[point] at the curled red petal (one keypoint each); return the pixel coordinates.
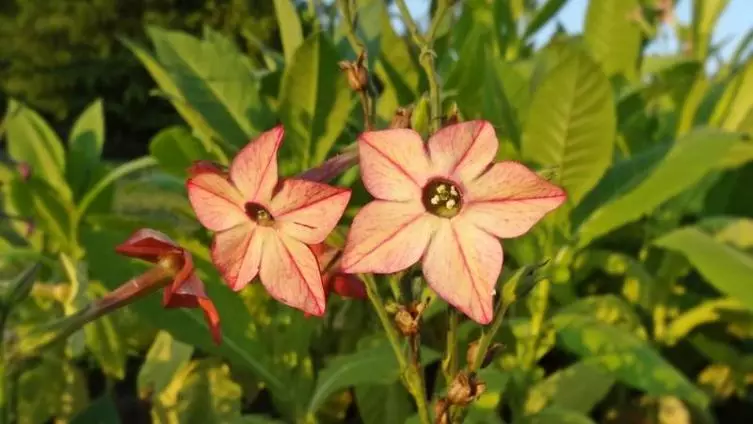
(149, 245)
(190, 294)
(347, 285)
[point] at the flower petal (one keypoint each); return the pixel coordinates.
(206, 166)
(462, 151)
(217, 204)
(387, 237)
(237, 253)
(254, 169)
(149, 245)
(394, 164)
(308, 211)
(462, 265)
(509, 199)
(291, 275)
(191, 294)
(347, 285)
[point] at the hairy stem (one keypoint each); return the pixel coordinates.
(426, 55)
(410, 368)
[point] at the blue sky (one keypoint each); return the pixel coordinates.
(736, 20)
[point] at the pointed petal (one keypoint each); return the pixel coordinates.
(254, 169)
(509, 199)
(394, 164)
(191, 294)
(217, 204)
(148, 245)
(308, 211)
(387, 237)
(206, 167)
(291, 275)
(237, 253)
(462, 265)
(462, 151)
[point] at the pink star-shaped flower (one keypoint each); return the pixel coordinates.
(445, 204)
(186, 289)
(264, 228)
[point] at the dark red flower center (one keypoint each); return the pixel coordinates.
(259, 214)
(442, 198)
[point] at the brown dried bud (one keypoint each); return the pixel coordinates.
(402, 118)
(489, 356)
(465, 388)
(441, 409)
(406, 322)
(358, 76)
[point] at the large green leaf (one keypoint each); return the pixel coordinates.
(215, 79)
(571, 123)
(690, 159)
(290, 27)
(85, 148)
(175, 148)
(50, 389)
(30, 139)
(315, 103)
(375, 365)
(624, 356)
(613, 36)
(201, 393)
(578, 387)
(543, 15)
(725, 267)
(386, 403)
(165, 357)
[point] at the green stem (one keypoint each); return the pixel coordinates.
(426, 55)
(450, 362)
(410, 370)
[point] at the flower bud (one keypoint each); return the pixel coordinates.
(489, 356)
(402, 118)
(406, 323)
(465, 388)
(358, 76)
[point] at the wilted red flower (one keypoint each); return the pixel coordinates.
(186, 289)
(264, 226)
(444, 203)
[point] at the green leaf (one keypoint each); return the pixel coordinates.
(18, 289)
(121, 171)
(578, 387)
(375, 365)
(705, 15)
(106, 345)
(164, 359)
(290, 27)
(85, 148)
(201, 393)
(51, 389)
(571, 123)
(30, 139)
(212, 77)
(51, 214)
(613, 36)
(378, 404)
(725, 267)
(543, 15)
(691, 158)
(315, 103)
(555, 415)
(101, 411)
(175, 149)
(624, 356)
(737, 100)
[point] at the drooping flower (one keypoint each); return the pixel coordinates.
(263, 227)
(445, 204)
(185, 290)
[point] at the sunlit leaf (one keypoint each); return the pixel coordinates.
(85, 144)
(290, 27)
(165, 357)
(175, 148)
(571, 123)
(614, 36)
(578, 387)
